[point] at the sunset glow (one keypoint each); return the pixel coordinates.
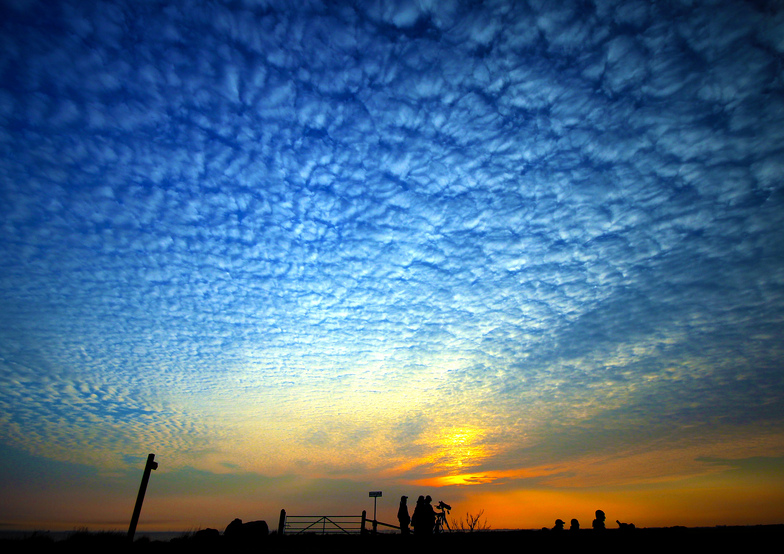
(523, 257)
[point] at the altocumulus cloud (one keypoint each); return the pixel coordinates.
(542, 221)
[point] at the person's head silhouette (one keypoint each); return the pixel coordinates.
(598, 523)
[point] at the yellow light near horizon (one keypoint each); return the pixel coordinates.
(461, 442)
(455, 449)
(463, 479)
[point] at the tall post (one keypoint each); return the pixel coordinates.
(282, 522)
(375, 521)
(151, 465)
(374, 495)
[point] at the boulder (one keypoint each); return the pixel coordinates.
(250, 531)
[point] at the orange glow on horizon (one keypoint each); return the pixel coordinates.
(688, 506)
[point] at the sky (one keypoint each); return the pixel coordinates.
(525, 257)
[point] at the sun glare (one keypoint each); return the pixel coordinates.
(454, 450)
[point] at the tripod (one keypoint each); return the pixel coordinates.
(441, 521)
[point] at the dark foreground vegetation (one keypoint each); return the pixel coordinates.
(671, 539)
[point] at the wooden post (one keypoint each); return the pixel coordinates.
(151, 465)
(364, 518)
(282, 522)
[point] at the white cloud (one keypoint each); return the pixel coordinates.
(517, 212)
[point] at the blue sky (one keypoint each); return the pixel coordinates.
(322, 246)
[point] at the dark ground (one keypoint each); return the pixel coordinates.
(668, 540)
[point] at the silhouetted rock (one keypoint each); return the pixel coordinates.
(256, 528)
(206, 535)
(245, 532)
(233, 529)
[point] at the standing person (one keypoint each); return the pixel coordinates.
(430, 516)
(418, 518)
(598, 523)
(402, 516)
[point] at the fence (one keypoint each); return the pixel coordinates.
(326, 525)
(321, 525)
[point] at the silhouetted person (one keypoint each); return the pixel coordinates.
(559, 525)
(417, 519)
(402, 516)
(598, 523)
(430, 513)
(574, 525)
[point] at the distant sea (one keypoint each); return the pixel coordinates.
(62, 535)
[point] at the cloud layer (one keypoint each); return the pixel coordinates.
(241, 233)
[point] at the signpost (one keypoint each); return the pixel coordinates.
(374, 495)
(150, 466)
